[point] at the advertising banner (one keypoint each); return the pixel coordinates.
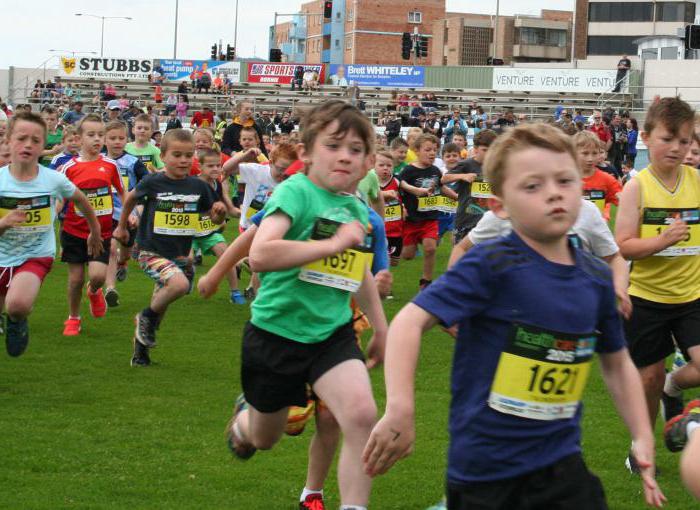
(554, 80)
(179, 70)
(377, 75)
(264, 72)
(106, 68)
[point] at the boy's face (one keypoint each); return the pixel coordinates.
(666, 150)
(336, 163)
(72, 144)
(246, 111)
(178, 159)
(173, 114)
(426, 153)
(92, 137)
(26, 142)
(211, 167)
(399, 154)
(460, 141)
(451, 159)
(384, 167)
(601, 156)
(278, 167)
(480, 152)
(142, 131)
(4, 153)
(692, 157)
(202, 141)
(248, 140)
(3, 129)
(283, 138)
(51, 120)
(588, 157)
(115, 141)
(541, 193)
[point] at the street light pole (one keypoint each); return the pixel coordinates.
(175, 38)
(235, 30)
(102, 38)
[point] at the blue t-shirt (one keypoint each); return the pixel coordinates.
(131, 170)
(499, 290)
(61, 159)
(37, 198)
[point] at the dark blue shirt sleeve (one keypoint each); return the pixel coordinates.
(257, 218)
(612, 337)
(381, 251)
(140, 170)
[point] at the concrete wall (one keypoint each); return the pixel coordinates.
(23, 79)
(672, 77)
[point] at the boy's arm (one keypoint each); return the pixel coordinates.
(378, 204)
(621, 281)
(625, 386)
(217, 213)
(12, 219)
(393, 436)
(450, 178)
(632, 247)
(120, 233)
(231, 209)
(270, 252)
(94, 240)
(448, 192)
(413, 190)
(231, 167)
(459, 250)
(368, 300)
(235, 252)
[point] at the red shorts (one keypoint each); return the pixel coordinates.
(39, 266)
(414, 233)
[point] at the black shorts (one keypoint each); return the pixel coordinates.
(460, 233)
(395, 245)
(653, 327)
(74, 250)
(275, 371)
(565, 485)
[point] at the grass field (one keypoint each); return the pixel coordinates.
(81, 429)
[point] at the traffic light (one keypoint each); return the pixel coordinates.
(230, 52)
(214, 51)
(422, 47)
(327, 9)
(490, 61)
(406, 46)
(275, 55)
(692, 37)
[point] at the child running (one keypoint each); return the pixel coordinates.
(142, 147)
(532, 310)
(71, 147)
(172, 204)
(308, 250)
(29, 193)
(399, 149)
(599, 187)
(95, 175)
(393, 209)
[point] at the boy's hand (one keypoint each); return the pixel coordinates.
(133, 221)
(121, 235)
(383, 279)
(218, 209)
(14, 218)
(94, 244)
(251, 155)
(375, 349)
(469, 178)
(391, 439)
(348, 235)
(206, 287)
(391, 194)
(643, 451)
(678, 231)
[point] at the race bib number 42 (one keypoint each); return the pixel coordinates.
(541, 374)
(37, 213)
(392, 212)
(656, 220)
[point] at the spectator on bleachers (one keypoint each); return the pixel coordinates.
(170, 103)
(403, 101)
(194, 77)
(124, 101)
(109, 92)
(429, 101)
(173, 121)
(600, 129)
(204, 118)
(48, 91)
(69, 91)
(158, 95)
(204, 82)
(432, 125)
(632, 134)
(579, 117)
(182, 91)
(381, 118)
(393, 103)
(242, 117)
(298, 78)
(456, 123)
(58, 87)
(286, 124)
(265, 124)
(129, 115)
(393, 126)
(507, 120)
(155, 119)
(218, 84)
(113, 111)
(37, 90)
(618, 148)
(478, 114)
(181, 108)
(310, 80)
(74, 114)
(416, 108)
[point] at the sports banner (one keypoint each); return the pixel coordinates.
(179, 70)
(264, 72)
(553, 80)
(106, 68)
(371, 75)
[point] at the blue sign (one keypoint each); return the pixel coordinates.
(375, 75)
(179, 70)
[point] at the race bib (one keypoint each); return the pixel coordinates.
(343, 271)
(125, 179)
(100, 200)
(254, 208)
(174, 218)
(596, 196)
(656, 220)
(541, 374)
(37, 213)
(447, 205)
(481, 189)
(427, 204)
(205, 226)
(392, 212)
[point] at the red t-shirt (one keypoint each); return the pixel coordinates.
(601, 189)
(96, 180)
(393, 210)
(196, 170)
(203, 119)
(602, 132)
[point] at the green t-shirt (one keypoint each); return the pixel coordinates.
(399, 167)
(149, 155)
(287, 306)
(368, 188)
(52, 139)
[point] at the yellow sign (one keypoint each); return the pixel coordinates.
(68, 65)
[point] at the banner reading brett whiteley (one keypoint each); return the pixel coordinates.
(553, 80)
(370, 75)
(106, 68)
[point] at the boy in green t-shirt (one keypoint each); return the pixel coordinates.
(311, 252)
(54, 135)
(399, 149)
(142, 147)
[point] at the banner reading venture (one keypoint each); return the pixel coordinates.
(554, 80)
(179, 70)
(106, 68)
(280, 73)
(377, 75)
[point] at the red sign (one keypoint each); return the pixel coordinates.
(265, 72)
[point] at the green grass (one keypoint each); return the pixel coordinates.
(81, 429)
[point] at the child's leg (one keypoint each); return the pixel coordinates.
(97, 272)
(322, 448)
(111, 275)
(76, 280)
(21, 295)
(176, 286)
(347, 392)
(409, 252)
(429, 250)
(690, 465)
(262, 430)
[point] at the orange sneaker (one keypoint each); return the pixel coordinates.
(71, 327)
(98, 305)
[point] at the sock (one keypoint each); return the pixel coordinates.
(77, 317)
(352, 507)
(306, 492)
(670, 387)
(692, 425)
(148, 312)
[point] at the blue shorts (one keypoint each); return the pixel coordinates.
(446, 223)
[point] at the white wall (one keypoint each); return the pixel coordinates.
(23, 78)
(672, 77)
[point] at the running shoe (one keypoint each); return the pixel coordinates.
(249, 293)
(71, 327)
(442, 505)
(671, 406)
(678, 359)
(237, 298)
(140, 358)
(423, 283)
(633, 467)
(312, 502)
(298, 417)
(146, 330)
(676, 429)
(16, 337)
(235, 442)
(98, 305)
(122, 272)
(2, 323)
(112, 298)
(198, 259)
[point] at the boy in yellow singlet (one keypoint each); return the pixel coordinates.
(658, 228)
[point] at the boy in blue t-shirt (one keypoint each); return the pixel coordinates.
(531, 310)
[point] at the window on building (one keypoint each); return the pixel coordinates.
(351, 14)
(541, 36)
(669, 53)
(612, 45)
(620, 11)
(446, 38)
(675, 11)
(337, 43)
(650, 54)
(348, 43)
(415, 17)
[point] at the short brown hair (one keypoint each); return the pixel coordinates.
(90, 117)
(202, 154)
(672, 112)
(284, 151)
(175, 135)
(349, 119)
(26, 117)
(520, 138)
(398, 142)
(145, 118)
(69, 131)
(587, 139)
(385, 154)
(204, 131)
(249, 129)
(451, 147)
(113, 125)
(485, 138)
(423, 138)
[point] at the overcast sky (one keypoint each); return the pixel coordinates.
(31, 29)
